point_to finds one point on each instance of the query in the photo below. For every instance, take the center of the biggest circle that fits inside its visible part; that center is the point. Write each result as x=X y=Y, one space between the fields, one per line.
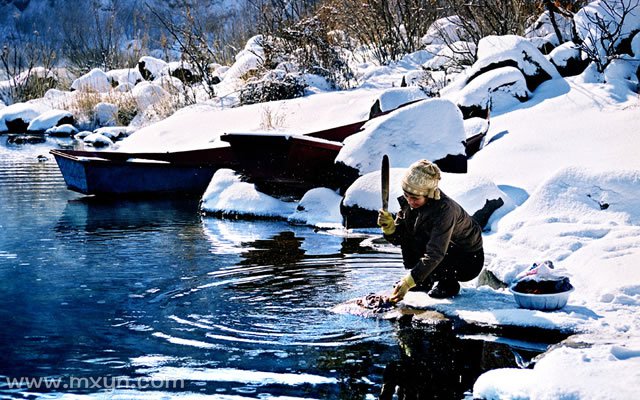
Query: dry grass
x=271 y=119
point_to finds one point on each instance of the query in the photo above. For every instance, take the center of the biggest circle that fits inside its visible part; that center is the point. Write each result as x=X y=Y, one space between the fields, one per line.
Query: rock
x=95 y=80
x=18 y=116
x=497 y=87
x=25 y=139
x=65 y=130
x=151 y=68
x=487 y=278
x=50 y=119
x=568 y=59
x=184 y=72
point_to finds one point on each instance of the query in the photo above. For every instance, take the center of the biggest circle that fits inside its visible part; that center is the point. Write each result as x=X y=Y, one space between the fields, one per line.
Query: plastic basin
x=544 y=302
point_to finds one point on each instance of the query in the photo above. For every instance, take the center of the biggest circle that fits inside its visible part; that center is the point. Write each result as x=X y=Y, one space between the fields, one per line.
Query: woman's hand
x=402 y=288
x=386 y=222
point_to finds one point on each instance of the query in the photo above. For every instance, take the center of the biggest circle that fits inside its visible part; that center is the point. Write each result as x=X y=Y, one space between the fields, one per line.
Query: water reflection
x=236 y=236
x=436 y=363
x=93 y=214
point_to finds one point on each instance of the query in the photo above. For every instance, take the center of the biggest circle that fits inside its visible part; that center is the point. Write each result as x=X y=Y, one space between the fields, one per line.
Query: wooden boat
x=117 y=173
x=285 y=164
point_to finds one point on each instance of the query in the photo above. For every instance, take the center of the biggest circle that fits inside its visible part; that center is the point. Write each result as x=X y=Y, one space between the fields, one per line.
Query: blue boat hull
x=96 y=176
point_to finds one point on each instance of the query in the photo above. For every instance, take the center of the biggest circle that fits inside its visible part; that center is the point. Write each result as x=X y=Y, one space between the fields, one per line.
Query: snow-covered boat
x=286 y=164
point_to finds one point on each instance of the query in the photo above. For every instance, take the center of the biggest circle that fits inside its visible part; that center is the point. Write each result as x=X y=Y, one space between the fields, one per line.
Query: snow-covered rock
x=452 y=57
x=183 y=71
x=18 y=116
x=151 y=68
x=431 y=129
x=635 y=45
x=623 y=69
x=95 y=80
x=115 y=133
x=124 y=76
x=64 y=130
x=500 y=51
x=542 y=28
x=124 y=87
x=228 y=195
x=568 y=59
x=250 y=58
x=622 y=18
x=50 y=119
x=97 y=140
x=148 y=94
x=447 y=30
x=494 y=89
x=318 y=207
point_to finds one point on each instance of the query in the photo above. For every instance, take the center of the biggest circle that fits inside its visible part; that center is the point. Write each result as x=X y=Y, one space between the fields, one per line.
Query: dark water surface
x=149 y=299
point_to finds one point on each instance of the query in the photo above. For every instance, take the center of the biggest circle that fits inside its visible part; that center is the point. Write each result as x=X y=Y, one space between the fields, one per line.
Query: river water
x=150 y=299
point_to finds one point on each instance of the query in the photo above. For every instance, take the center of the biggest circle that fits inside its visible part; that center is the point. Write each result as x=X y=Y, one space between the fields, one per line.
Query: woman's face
x=415 y=201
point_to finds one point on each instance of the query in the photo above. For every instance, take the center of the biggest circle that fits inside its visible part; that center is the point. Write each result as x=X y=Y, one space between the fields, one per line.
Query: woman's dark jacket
x=424 y=233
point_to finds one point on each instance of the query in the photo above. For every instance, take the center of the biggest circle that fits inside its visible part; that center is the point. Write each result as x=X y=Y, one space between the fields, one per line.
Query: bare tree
x=604 y=27
x=388 y=28
x=28 y=63
x=94 y=33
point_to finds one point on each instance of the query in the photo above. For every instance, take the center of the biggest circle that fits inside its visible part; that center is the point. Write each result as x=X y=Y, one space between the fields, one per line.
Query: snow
x=499 y=85
x=563 y=53
x=153 y=65
x=25 y=111
x=65 y=129
x=429 y=129
x=95 y=80
x=227 y=194
x=393 y=98
x=47 y=120
x=318 y=207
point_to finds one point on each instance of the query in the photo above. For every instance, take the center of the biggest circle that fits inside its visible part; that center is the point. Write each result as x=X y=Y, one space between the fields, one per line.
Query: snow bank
x=584 y=221
x=429 y=129
x=200 y=126
x=569 y=373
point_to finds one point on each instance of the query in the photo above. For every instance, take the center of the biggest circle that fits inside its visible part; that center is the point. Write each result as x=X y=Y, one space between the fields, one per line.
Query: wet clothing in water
x=439 y=241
